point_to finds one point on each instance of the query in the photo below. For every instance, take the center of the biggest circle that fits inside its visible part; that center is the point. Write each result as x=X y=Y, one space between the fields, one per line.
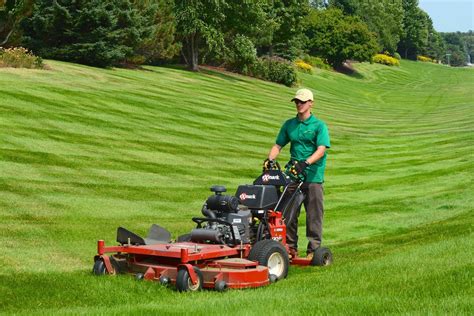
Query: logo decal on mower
x=266 y=177
x=245 y=196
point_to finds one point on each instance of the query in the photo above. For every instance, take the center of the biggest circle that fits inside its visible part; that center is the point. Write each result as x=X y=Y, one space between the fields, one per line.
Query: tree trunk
x=193 y=54
x=7 y=37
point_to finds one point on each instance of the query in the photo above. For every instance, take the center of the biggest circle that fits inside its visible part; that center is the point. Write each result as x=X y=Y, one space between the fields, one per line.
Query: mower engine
x=226 y=221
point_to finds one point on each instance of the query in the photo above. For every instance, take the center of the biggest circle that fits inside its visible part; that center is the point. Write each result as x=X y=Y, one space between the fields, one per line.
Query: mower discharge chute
x=239 y=243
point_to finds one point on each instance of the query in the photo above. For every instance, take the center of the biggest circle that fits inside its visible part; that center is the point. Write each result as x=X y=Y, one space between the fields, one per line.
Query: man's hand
x=300 y=166
x=268 y=164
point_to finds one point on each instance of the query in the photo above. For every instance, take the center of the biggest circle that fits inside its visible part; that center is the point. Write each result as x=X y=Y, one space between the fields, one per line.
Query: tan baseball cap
x=303 y=95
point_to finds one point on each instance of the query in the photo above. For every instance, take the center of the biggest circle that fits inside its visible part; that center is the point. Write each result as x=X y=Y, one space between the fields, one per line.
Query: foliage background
x=133 y=32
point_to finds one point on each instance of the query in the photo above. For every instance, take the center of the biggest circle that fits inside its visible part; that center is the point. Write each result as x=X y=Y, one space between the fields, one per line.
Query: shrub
x=303 y=67
x=240 y=55
x=424 y=59
x=19 y=57
x=397 y=56
x=385 y=60
x=316 y=62
x=275 y=69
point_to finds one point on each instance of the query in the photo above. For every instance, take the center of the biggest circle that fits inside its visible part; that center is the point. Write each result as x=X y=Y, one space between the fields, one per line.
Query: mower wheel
x=220 y=286
x=99 y=267
x=272 y=254
x=322 y=257
x=184 y=283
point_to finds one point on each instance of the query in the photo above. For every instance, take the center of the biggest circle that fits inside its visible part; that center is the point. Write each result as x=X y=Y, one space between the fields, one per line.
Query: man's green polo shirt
x=305 y=137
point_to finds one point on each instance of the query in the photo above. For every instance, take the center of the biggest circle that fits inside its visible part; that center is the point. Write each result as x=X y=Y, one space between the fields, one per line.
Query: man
x=309 y=138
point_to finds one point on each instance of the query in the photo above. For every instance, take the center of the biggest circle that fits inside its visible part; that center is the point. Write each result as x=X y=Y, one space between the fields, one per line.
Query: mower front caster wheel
x=322 y=257
x=184 y=283
x=99 y=267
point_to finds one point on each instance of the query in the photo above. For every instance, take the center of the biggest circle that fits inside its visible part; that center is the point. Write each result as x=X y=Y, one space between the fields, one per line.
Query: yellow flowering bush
x=304 y=67
x=385 y=60
x=19 y=57
x=315 y=62
x=425 y=59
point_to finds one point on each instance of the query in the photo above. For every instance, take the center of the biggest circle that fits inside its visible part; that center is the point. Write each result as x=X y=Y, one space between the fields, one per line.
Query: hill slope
x=84 y=150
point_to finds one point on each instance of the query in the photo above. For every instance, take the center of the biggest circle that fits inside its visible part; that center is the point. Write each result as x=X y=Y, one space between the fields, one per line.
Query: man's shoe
x=310 y=256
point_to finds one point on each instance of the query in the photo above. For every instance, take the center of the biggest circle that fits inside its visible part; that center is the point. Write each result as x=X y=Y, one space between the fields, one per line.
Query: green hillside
x=84 y=150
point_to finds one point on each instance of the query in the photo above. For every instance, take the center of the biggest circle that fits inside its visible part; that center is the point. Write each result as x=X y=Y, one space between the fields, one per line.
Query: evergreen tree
x=95 y=32
x=160 y=45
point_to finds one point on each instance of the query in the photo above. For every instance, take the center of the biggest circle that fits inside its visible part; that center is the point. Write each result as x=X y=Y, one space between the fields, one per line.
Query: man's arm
x=318 y=154
x=275 y=151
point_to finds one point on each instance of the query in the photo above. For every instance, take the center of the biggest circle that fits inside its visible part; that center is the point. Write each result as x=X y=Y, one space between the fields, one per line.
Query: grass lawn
x=85 y=150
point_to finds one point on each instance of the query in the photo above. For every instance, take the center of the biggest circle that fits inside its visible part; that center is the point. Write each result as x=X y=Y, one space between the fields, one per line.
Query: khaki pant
x=313 y=204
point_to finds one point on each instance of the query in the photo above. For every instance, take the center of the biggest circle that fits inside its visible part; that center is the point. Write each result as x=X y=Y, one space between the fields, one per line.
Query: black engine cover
x=258 y=196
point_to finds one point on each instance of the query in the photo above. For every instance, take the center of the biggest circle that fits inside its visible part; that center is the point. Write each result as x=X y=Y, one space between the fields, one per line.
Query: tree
x=285 y=31
x=245 y=26
x=318 y=4
x=384 y=18
x=469 y=44
x=435 y=47
x=415 y=31
x=96 y=32
x=11 y=14
x=348 y=7
x=337 y=38
x=160 y=44
x=456 y=47
x=199 y=23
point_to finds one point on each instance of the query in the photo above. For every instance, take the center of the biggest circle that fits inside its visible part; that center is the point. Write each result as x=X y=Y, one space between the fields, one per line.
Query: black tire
x=272 y=254
x=99 y=267
x=322 y=257
x=183 y=280
x=220 y=286
x=164 y=280
x=184 y=238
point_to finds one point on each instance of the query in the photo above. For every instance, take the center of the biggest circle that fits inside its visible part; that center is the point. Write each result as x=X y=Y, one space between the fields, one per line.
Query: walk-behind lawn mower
x=239 y=243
